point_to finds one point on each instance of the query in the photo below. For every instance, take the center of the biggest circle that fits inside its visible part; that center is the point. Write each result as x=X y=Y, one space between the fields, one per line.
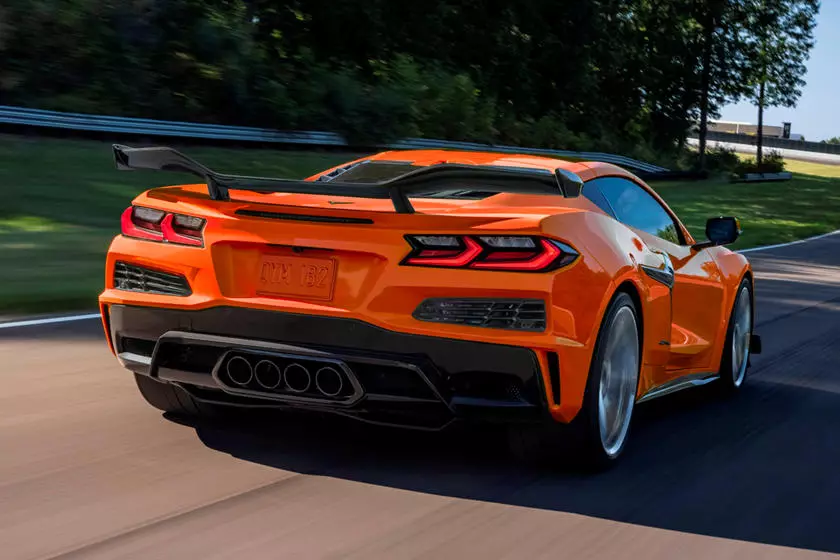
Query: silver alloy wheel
x=741 y=330
x=619 y=380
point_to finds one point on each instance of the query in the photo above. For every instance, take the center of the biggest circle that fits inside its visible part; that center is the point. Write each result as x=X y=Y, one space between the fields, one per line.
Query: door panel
x=697 y=292
x=697 y=300
x=658 y=278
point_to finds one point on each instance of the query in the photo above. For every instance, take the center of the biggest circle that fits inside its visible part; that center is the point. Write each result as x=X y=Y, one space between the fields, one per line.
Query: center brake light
x=504 y=253
x=156 y=225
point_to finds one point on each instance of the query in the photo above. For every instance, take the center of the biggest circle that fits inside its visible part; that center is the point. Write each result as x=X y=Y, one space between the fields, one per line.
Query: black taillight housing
x=513 y=253
x=152 y=224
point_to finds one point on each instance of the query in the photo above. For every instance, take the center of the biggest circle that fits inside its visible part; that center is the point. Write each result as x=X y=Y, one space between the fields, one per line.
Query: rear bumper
x=402 y=379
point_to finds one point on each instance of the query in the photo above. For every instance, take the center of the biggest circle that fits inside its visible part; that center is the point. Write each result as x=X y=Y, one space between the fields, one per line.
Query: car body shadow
x=760 y=466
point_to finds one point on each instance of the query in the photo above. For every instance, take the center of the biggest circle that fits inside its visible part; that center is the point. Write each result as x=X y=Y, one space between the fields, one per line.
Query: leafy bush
x=772 y=162
x=722 y=159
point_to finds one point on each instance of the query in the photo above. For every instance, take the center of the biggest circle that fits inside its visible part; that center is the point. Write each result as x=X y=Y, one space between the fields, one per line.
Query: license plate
x=296 y=276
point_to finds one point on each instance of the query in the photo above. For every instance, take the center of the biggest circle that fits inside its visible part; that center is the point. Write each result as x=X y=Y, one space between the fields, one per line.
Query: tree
x=724 y=59
x=627 y=76
x=782 y=35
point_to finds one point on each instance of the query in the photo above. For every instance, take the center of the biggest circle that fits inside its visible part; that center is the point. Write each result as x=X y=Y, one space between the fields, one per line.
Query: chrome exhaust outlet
x=267 y=374
x=329 y=381
x=298 y=379
x=239 y=371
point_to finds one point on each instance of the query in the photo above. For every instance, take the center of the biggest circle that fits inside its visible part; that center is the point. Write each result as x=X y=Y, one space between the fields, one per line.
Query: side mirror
x=721 y=231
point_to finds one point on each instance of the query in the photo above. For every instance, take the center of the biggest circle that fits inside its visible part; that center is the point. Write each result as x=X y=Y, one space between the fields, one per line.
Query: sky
x=817 y=114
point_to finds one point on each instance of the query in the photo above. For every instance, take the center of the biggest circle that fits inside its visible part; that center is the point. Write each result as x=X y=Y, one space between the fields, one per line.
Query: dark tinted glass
x=635 y=207
x=378 y=171
x=371 y=172
x=593 y=193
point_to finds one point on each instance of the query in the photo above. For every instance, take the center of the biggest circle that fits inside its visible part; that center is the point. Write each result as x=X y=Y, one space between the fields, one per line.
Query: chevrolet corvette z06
x=416 y=288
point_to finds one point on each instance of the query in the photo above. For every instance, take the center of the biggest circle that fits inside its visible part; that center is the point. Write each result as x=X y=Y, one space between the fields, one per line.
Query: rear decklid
x=280 y=238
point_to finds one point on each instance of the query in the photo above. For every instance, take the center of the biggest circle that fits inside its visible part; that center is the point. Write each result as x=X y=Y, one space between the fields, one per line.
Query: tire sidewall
x=590 y=436
x=726 y=372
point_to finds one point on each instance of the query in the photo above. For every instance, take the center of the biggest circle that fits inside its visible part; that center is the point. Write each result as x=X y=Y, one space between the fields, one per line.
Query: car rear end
x=285 y=301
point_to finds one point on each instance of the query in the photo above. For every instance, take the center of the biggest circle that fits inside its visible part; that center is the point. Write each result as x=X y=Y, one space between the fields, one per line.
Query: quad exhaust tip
x=267 y=374
x=239 y=371
x=329 y=381
x=245 y=371
x=298 y=379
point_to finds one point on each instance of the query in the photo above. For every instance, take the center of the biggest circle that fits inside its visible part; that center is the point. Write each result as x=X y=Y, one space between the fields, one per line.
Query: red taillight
x=156 y=225
x=510 y=253
x=466 y=251
x=174 y=232
x=141 y=229
x=542 y=257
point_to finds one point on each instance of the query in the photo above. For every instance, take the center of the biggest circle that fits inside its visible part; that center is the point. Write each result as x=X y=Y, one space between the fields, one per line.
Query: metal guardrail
x=150 y=127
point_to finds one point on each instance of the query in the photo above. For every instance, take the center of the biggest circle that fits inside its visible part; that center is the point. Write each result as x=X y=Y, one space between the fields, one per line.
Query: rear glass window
x=367 y=172
x=370 y=172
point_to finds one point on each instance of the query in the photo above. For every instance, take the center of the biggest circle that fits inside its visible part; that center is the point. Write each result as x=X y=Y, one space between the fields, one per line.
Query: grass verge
x=61 y=202
x=770 y=213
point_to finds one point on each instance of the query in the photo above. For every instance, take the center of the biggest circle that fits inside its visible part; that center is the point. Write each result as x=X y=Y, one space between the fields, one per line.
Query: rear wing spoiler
x=425 y=180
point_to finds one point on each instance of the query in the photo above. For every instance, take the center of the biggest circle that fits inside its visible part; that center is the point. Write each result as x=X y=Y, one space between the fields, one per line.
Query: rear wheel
x=736 y=350
x=599 y=433
x=603 y=425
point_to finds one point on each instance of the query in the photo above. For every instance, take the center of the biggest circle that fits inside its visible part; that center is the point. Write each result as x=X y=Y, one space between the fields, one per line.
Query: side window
x=593 y=193
x=635 y=207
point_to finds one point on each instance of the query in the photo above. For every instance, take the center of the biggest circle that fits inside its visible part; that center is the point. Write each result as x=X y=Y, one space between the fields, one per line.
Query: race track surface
x=89 y=471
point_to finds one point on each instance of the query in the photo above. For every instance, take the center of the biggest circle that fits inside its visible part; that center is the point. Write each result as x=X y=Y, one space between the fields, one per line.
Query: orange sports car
x=417 y=288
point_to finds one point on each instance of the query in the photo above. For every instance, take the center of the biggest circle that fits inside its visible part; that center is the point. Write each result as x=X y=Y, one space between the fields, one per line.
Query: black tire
x=172 y=399
x=730 y=379
x=578 y=444
x=585 y=427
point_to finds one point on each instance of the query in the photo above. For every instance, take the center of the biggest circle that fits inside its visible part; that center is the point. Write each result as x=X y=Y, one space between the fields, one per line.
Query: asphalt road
x=88 y=470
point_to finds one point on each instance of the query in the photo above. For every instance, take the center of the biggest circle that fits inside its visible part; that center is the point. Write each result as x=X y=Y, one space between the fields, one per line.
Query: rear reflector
x=516 y=314
x=508 y=253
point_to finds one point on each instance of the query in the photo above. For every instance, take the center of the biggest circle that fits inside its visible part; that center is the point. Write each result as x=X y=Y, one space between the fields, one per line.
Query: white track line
x=47 y=321
x=780 y=245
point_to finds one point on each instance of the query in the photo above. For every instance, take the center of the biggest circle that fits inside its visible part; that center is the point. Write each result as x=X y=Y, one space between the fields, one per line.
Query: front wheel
x=736 y=350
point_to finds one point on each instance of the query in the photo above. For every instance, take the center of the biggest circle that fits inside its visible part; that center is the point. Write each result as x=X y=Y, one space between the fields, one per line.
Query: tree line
x=630 y=76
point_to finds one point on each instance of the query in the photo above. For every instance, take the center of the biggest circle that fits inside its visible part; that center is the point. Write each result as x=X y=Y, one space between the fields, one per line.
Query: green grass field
x=61 y=202
x=770 y=213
